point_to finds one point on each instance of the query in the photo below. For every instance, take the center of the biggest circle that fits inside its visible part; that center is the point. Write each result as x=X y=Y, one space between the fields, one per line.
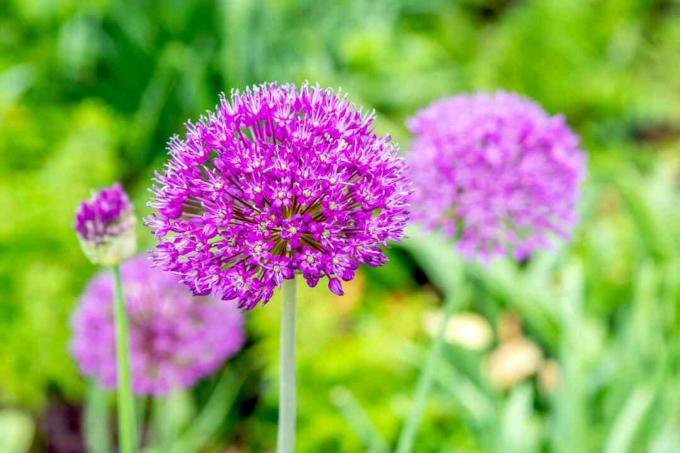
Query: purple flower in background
x=105 y=225
x=175 y=338
x=277 y=180
x=495 y=172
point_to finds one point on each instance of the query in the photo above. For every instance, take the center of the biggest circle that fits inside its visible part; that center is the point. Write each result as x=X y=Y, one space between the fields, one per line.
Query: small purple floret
x=175 y=338
x=105 y=226
x=496 y=173
x=277 y=180
x=103 y=215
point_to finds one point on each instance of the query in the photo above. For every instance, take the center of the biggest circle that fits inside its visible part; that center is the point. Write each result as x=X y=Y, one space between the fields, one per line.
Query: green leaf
x=437 y=258
x=356 y=417
x=630 y=419
x=519 y=429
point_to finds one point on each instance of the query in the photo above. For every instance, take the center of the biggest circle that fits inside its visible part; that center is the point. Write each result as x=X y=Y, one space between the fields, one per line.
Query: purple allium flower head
x=105 y=226
x=277 y=180
x=175 y=338
x=495 y=172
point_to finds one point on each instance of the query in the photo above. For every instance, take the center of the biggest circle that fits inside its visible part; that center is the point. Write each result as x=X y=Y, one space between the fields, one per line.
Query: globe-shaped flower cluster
x=278 y=180
x=495 y=172
x=175 y=338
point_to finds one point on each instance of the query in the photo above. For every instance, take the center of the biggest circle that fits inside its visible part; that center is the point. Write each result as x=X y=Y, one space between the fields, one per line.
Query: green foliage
x=618 y=354
x=90 y=92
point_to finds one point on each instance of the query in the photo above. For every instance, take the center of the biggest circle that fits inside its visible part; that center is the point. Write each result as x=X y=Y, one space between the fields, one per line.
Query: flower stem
x=410 y=429
x=287 y=403
x=127 y=436
x=96 y=420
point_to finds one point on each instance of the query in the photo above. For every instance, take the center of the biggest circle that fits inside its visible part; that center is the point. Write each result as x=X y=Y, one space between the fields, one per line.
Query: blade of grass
x=171 y=414
x=211 y=417
x=519 y=432
x=479 y=406
x=572 y=425
x=358 y=420
x=436 y=257
x=508 y=284
x=630 y=419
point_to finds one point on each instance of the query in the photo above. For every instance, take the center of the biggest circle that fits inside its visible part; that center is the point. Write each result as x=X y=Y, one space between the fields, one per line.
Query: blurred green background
x=574 y=351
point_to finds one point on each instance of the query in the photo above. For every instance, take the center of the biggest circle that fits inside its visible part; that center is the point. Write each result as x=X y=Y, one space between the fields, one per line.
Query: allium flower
x=495 y=172
x=277 y=180
x=175 y=338
x=105 y=225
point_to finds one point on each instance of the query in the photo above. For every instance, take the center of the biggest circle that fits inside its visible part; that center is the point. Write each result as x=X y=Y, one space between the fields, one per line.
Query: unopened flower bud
x=105 y=225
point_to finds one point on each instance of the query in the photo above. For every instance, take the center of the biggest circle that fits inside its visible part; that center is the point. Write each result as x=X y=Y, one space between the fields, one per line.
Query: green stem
x=127 y=424
x=287 y=403
x=96 y=420
x=408 y=433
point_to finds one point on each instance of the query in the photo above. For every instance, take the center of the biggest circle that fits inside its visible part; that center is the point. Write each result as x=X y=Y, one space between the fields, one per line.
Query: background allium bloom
x=495 y=172
x=105 y=225
x=277 y=180
x=175 y=338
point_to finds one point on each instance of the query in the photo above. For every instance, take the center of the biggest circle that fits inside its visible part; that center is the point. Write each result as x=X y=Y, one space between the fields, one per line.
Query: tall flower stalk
x=500 y=177
x=287 y=383
x=126 y=409
x=105 y=228
x=278 y=181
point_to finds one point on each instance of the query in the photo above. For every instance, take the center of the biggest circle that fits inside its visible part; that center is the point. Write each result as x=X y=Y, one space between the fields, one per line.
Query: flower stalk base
x=287 y=391
x=127 y=423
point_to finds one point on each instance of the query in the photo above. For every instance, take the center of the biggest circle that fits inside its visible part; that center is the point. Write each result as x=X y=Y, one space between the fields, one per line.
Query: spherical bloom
x=277 y=180
x=175 y=338
x=105 y=226
x=495 y=172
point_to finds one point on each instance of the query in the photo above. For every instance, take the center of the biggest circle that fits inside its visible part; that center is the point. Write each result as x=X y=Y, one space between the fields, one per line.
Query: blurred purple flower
x=105 y=226
x=277 y=180
x=175 y=338
x=495 y=172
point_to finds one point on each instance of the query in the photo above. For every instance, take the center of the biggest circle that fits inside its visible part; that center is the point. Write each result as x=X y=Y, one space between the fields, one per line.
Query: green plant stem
x=127 y=423
x=96 y=420
x=287 y=403
x=410 y=429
